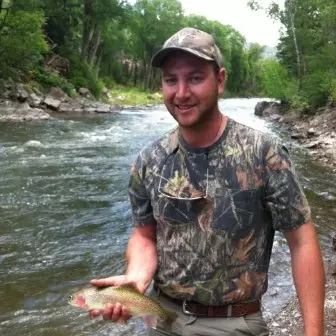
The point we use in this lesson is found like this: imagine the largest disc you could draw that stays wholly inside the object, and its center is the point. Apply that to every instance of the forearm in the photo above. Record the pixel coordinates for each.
(142, 257)
(309, 279)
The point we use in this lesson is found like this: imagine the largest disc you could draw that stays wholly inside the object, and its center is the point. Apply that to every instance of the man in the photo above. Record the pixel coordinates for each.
(206, 200)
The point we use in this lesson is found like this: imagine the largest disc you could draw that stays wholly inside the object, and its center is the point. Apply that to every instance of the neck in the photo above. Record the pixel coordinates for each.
(205, 134)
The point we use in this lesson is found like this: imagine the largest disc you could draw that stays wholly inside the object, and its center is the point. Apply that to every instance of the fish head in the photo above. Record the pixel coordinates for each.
(82, 299)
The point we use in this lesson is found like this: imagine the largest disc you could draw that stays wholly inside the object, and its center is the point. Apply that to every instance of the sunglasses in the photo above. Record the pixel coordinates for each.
(179, 187)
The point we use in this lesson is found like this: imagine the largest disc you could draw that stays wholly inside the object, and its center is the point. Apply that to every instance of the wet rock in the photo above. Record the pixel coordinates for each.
(103, 108)
(311, 145)
(19, 93)
(84, 92)
(311, 132)
(54, 99)
(58, 93)
(268, 109)
(297, 136)
(260, 107)
(12, 111)
(52, 103)
(275, 117)
(34, 100)
(71, 106)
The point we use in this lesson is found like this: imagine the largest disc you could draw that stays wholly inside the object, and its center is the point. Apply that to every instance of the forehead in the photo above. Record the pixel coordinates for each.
(180, 62)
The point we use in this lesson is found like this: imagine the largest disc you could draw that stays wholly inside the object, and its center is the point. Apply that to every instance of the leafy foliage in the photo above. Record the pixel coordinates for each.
(110, 42)
(22, 42)
(307, 48)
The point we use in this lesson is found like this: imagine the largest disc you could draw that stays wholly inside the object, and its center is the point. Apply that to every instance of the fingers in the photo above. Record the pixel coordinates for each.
(94, 313)
(115, 312)
(111, 281)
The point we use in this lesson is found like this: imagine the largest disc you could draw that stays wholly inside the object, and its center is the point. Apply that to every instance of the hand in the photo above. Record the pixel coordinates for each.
(114, 312)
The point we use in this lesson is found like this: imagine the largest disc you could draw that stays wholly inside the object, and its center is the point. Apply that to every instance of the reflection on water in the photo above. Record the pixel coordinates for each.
(65, 216)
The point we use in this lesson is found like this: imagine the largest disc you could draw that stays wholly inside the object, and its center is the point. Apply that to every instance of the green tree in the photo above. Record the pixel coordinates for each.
(22, 41)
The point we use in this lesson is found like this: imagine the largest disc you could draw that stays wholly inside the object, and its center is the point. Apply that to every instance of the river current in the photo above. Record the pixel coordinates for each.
(65, 216)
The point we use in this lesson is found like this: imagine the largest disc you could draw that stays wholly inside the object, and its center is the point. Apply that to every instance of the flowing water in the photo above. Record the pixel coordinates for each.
(65, 216)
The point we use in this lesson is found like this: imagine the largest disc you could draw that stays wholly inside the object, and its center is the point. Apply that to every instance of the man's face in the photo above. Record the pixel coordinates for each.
(191, 88)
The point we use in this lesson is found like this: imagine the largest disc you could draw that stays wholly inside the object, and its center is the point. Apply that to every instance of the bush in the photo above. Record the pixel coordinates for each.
(314, 87)
(50, 79)
(82, 75)
(275, 80)
(22, 43)
(299, 102)
(332, 90)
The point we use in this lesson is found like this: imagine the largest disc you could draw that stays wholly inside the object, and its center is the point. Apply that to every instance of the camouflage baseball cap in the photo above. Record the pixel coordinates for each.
(190, 40)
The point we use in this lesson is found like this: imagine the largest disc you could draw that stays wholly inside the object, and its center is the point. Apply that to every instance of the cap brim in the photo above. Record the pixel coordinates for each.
(159, 58)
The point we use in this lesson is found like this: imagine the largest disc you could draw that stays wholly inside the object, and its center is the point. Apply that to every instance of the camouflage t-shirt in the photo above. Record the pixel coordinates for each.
(216, 210)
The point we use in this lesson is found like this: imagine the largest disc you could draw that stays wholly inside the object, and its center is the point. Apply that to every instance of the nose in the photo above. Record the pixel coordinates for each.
(182, 90)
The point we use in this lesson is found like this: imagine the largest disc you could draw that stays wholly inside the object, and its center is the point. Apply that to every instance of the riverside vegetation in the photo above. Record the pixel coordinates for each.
(107, 45)
(101, 49)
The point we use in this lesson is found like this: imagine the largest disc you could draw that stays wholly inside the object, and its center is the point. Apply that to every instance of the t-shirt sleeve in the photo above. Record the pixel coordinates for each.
(284, 195)
(140, 201)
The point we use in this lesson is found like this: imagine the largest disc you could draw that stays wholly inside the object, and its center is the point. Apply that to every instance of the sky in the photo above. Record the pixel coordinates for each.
(254, 26)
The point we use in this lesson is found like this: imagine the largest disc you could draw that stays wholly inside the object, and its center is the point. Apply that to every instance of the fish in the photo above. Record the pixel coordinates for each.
(138, 305)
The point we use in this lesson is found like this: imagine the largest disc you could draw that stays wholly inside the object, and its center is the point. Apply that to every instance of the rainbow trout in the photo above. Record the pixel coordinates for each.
(138, 305)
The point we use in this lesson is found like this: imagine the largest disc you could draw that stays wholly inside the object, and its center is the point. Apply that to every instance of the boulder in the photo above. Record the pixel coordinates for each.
(19, 93)
(57, 93)
(71, 106)
(57, 64)
(103, 108)
(84, 92)
(265, 108)
(313, 144)
(52, 103)
(11, 111)
(311, 132)
(54, 99)
(297, 136)
(34, 100)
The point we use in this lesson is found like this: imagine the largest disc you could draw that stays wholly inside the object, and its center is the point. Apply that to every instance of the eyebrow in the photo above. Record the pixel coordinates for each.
(193, 72)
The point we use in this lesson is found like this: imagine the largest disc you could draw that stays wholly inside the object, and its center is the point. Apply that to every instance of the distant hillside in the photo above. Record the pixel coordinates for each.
(270, 52)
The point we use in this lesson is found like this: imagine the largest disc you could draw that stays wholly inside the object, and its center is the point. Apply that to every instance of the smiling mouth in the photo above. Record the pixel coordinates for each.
(184, 107)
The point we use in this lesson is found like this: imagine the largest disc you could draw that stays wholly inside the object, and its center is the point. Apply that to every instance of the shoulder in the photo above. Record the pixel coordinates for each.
(249, 133)
(251, 140)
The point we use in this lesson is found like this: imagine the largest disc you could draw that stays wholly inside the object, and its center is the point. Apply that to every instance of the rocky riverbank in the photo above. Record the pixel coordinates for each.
(318, 135)
(16, 104)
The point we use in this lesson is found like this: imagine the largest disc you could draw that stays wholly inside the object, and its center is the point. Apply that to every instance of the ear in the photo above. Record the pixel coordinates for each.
(221, 76)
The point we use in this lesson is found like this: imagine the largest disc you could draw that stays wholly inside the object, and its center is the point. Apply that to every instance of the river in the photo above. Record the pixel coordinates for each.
(65, 216)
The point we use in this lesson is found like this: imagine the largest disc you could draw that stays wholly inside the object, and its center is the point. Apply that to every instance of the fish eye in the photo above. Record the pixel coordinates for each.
(70, 297)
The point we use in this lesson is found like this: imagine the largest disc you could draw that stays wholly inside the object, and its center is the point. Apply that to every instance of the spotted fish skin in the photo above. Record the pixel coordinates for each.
(138, 305)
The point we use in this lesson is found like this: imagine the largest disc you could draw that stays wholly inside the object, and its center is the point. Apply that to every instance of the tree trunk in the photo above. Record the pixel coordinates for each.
(87, 28)
(297, 50)
(99, 62)
(95, 45)
(136, 74)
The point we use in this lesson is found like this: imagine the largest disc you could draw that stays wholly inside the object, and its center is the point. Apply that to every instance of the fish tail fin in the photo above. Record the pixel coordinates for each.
(171, 317)
(151, 321)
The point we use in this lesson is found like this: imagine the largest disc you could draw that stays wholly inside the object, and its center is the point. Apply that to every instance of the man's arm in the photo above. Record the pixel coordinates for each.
(142, 263)
(309, 277)
(141, 256)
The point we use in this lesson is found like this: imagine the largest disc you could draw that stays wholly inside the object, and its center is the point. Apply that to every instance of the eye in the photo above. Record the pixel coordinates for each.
(70, 297)
(169, 80)
(196, 79)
